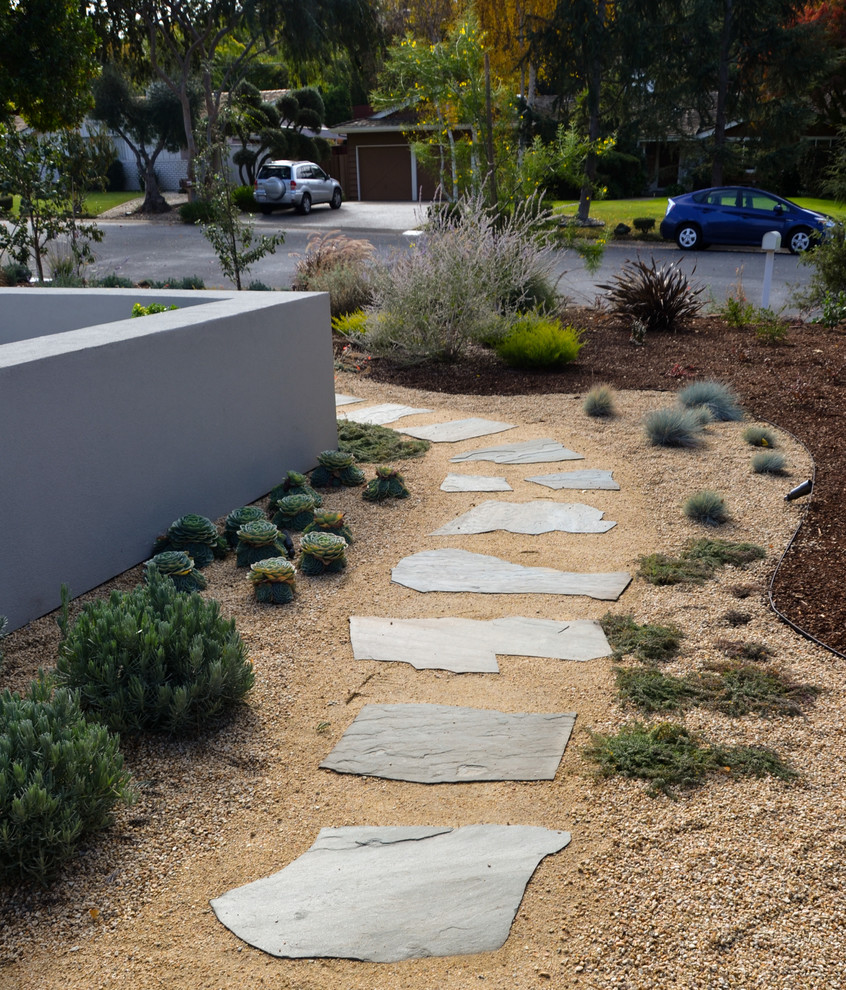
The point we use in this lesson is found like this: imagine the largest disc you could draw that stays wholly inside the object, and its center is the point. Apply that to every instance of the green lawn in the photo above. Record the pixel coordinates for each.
(614, 211)
(96, 202)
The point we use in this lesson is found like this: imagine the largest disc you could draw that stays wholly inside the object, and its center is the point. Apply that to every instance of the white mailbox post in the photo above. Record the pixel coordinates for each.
(770, 243)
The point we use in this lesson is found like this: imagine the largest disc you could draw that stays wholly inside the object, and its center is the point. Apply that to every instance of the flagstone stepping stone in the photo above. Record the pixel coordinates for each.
(442, 744)
(386, 894)
(474, 483)
(528, 452)
(387, 412)
(472, 645)
(345, 400)
(528, 517)
(459, 570)
(456, 429)
(589, 479)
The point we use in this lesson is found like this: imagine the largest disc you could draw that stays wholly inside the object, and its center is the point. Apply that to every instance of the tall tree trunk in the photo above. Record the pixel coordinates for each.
(722, 94)
(594, 81)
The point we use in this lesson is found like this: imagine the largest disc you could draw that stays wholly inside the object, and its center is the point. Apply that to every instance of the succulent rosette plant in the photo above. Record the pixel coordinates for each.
(236, 519)
(195, 535)
(329, 521)
(179, 567)
(294, 512)
(257, 541)
(322, 553)
(335, 469)
(274, 580)
(295, 484)
(388, 483)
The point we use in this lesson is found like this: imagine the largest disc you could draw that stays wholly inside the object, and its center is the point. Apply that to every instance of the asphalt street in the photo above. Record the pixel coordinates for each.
(159, 250)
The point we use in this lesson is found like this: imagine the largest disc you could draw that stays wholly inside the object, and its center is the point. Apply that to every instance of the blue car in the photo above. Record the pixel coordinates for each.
(740, 215)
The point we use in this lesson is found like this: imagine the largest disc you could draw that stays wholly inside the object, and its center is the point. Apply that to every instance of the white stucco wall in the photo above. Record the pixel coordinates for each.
(111, 428)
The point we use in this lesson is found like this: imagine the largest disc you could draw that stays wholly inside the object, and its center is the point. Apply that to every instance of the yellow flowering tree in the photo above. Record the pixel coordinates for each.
(445, 84)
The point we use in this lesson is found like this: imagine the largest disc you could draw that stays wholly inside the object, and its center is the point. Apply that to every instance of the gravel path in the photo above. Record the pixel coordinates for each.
(735, 884)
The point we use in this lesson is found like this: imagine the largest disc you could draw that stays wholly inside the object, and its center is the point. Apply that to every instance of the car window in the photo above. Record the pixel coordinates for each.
(275, 172)
(318, 173)
(305, 172)
(755, 200)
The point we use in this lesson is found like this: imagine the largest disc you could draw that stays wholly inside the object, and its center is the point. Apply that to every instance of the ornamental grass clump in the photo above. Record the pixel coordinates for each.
(153, 659)
(259, 540)
(295, 484)
(673, 427)
(769, 462)
(388, 483)
(757, 436)
(322, 553)
(335, 469)
(539, 341)
(657, 299)
(707, 508)
(339, 265)
(236, 519)
(60, 779)
(274, 580)
(464, 282)
(179, 567)
(599, 403)
(719, 399)
(195, 535)
(294, 512)
(328, 521)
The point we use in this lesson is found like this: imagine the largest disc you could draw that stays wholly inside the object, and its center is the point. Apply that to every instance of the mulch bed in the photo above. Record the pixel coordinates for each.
(798, 384)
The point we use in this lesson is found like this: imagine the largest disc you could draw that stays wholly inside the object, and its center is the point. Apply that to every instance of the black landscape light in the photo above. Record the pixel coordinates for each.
(804, 489)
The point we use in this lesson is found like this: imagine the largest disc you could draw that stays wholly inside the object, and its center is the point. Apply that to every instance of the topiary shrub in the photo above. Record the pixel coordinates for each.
(236, 519)
(259, 540)
(757, 436)
(327, 521)
(656, 299)
(153, 659)
(537, 341)
(719, 399)
(196, 535)
(322, 553)
(643, 224)
(295, 484)
(294, 512)
(706, 507)
(388, 483)
(769, 462)
(179, 567)
(335, 469)
(599, 403)
(673, 427)
(60, 779)
(274, 580)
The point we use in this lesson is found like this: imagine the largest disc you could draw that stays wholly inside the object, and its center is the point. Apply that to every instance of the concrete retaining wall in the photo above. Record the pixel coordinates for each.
(111, 428)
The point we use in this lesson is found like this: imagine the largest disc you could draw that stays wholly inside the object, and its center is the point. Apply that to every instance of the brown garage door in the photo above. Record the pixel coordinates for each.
(384, 172)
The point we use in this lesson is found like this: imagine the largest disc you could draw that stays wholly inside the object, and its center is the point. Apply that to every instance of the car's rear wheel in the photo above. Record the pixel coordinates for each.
(266, 209)
(335, 202)
(799, 240)
(689, 237)
(305, 204)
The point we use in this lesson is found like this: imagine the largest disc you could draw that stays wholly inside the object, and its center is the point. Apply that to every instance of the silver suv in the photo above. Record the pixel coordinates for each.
(298, 184)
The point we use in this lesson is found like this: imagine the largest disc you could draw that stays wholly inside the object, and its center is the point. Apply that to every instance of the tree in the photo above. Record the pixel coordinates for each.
(828, 96)
(42, 172)
(47, 62)
(445, 83)
(148, 124)
(183, 39)
(233, 240)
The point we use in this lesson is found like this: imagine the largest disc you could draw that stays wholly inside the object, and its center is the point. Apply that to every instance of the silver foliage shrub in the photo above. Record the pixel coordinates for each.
(468, 279)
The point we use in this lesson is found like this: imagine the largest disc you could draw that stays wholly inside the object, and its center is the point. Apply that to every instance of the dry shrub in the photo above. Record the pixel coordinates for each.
(336, 264)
